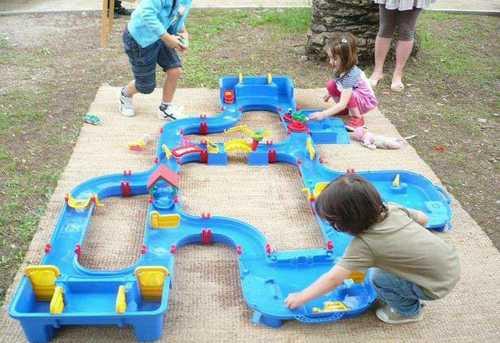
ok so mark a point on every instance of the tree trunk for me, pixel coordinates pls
(360, 17)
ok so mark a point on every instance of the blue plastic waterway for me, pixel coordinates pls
(266, 278)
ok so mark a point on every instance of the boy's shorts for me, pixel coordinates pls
(144, 60)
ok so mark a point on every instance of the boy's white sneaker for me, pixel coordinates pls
(389, 315)
(170, 112)
(126, 105)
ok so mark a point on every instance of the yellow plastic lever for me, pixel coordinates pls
(166, 151)
(121, 300)
(57, 301)
(310, 148)
(396, 183)
(318, 188)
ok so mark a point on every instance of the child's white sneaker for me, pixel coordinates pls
(389, 315)
(170, 112)
(126, 105)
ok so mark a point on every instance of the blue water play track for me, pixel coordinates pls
(61, 292)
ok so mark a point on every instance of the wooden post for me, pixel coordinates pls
(107, 16)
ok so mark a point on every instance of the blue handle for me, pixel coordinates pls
(444, 194)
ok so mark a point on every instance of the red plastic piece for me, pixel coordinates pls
(155, 161)
(144, 250)
(47, 248)
(173, 249)
(229, 97)
(162, 172)
(239, 250)
(329, 246)
(287, 117)
(78, 250)
(297, 126)
(204, 156)
(206, 236)
(176, 199)
(150, 200)
(255, 144)
(126, 189)
(66, 198)
(203, 128)
(205, 215)
(269, 249)
(271, 155)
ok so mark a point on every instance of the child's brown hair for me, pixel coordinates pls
(343, 45)
(351, 204)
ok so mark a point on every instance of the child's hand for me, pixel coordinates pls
(172, 42)
(294, 300)
(326, 97)
(317, 116)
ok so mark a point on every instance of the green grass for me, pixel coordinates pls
(460, 53)
(20, 108)
(4, 42)
(211, 30)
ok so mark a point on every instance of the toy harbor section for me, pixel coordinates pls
(60, 292)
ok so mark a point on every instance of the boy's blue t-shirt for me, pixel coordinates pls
(153, 18)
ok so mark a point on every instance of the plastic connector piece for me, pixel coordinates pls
(269, 249)
(272, 157)
(126, 189)
(78, 250)
(329, 246)
(203, 128)
(206, 236)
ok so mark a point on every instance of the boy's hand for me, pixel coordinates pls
(294, 300)
(317, 116)
(326, 97)
(172, 42)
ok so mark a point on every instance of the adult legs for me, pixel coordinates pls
(407, 21)
(383, 42)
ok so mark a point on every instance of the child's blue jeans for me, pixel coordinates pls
(402, 295)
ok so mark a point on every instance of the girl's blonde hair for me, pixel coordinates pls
(343, 45)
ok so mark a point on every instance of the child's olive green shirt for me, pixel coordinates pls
(401, 246)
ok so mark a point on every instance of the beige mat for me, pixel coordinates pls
(206, 303)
